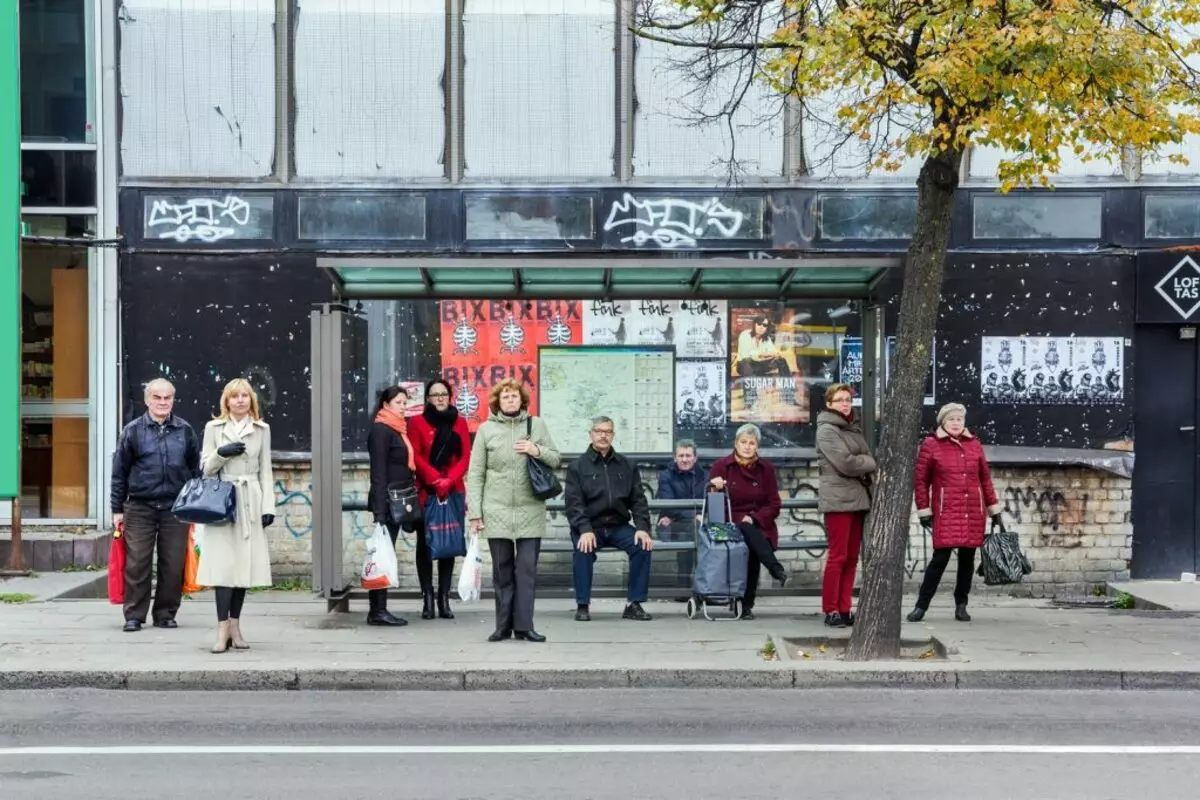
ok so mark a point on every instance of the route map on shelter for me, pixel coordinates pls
(635, 386)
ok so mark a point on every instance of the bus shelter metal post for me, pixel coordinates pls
(327, 321)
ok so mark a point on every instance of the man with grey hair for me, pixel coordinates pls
(684, 479)
(157, 453)
(604, 492)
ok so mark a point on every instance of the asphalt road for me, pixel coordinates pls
(603, 744)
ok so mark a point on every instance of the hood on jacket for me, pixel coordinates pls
(502, 418)
(837, 420)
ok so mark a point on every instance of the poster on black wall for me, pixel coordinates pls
(1052, 370)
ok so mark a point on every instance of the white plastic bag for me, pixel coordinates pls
(380, 569)
(470, 579)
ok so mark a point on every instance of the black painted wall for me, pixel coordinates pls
(202, 320)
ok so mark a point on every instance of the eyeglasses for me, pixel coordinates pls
(605, 434)
(436, 395)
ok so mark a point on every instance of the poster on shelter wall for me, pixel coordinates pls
(850, 366)
(486, 341)
(774, 354)
(1052, 370)
(699, 395)
(696, 328)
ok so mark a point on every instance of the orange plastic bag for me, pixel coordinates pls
(192, 565)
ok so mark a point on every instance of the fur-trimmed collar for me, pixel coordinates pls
(941, 434)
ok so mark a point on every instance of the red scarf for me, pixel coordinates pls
(399, 424)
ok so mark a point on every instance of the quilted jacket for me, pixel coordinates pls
(954, 485)
(498, 488)
(753, 491)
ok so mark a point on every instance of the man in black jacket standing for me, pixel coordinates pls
(604, 492)
(157, 453)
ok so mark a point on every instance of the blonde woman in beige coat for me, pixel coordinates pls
(234, 557)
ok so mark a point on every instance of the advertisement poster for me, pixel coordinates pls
(771, 353)
(695, 327)
(930, 377)
(1049, 370)
(699, 394)
(416, 397)
(850, 368)
(486, 341)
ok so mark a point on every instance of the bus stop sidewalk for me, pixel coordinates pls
(297, 645)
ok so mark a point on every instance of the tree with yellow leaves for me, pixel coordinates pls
(924, 79)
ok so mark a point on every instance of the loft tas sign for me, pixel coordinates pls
(1168, 288)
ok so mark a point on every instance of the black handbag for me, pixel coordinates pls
(206, 501)
(543, 480)
(404, 505)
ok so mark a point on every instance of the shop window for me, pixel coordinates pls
(1037, 216)
(523, 216)
(55, 372)
(369, 96)
(59, 178)
(359, 217)
(864, 217)
(197, 88)
(1173, 216)
(539, 88)
(57, 81)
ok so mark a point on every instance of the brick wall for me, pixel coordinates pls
(1074, 525)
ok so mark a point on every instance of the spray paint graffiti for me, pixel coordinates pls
(672, 222)
(205, 219)
(295, 509)
(1048, 508)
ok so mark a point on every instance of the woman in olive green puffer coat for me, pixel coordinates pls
(501, 506)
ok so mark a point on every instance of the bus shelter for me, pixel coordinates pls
(846, 282)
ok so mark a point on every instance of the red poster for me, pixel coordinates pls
(486, 341)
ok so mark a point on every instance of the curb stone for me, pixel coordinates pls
(637, 678)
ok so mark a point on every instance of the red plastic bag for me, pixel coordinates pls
(116, 567)
(192, 564)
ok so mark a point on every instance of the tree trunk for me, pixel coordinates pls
(877, 625)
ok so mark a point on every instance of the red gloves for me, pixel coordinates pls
(441, 487)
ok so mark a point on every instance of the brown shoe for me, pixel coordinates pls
(223, 640)
(235, 635)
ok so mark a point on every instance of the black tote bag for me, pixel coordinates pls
(543, 480)
(206, 501)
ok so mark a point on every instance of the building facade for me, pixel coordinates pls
(479, 178)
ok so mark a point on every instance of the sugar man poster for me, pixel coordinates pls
(486, 341)
(770, 349)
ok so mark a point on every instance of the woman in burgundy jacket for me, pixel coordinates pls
(749, 483)
(443, 452)
(955, 497)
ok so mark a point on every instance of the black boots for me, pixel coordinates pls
(427, 604)
(443, 605)
(916, 615)
(378, 613)
(960, 613)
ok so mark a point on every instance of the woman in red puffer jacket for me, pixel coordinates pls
(955, 497)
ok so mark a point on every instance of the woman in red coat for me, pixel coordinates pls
(443, 452)
(749, 483)
(955, 497)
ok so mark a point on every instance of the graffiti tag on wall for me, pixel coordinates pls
(1048, 508)
(203, 219)
(671, 222)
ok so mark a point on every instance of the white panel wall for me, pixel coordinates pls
(831, 154)
(986, 160)
(197, 88)
(540, 88)
(369, 100)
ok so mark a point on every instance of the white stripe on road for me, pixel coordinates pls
(598, 749)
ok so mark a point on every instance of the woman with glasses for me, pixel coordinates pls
(443, 455)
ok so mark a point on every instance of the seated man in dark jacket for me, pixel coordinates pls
(157, 453)
(683, 480)
(604, 491)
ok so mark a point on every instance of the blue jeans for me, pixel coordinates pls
(620, 538)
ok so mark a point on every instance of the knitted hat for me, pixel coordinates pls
(951, 408)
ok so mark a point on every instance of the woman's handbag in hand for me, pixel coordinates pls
(206, 501)
(543, 480)
(404, 505)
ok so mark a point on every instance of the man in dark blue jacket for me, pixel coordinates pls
(683, 480)
(157, 453)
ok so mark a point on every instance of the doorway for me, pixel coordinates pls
(1166, 478)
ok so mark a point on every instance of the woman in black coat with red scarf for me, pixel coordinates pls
(750, 485)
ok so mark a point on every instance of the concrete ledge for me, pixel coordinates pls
(548, 679)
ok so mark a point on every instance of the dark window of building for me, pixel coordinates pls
(339, 217)
(527, 216)
(56, 77)
(866, 217)
(1173, 216)
(59, 178)
(674, 221)
(1026, 216)
(206, 219)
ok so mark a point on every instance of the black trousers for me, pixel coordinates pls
(425, 566)
(377, 598)
(761, 555)
(147, 529)
(937, 566)
(229, 602)
(514, 581)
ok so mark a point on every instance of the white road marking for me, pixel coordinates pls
(599, 749)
